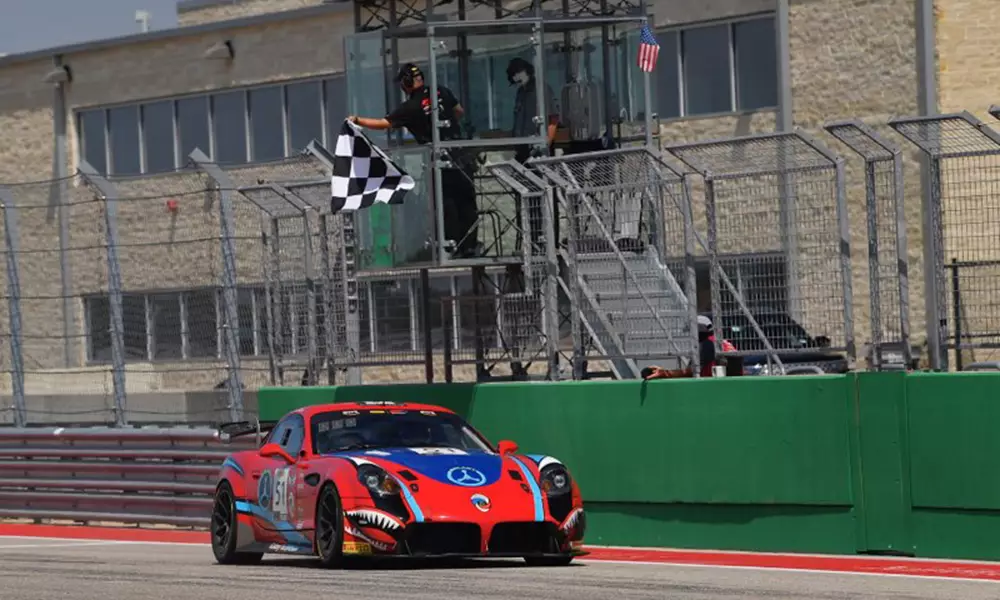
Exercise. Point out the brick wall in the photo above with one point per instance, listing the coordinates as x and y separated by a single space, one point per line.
225 10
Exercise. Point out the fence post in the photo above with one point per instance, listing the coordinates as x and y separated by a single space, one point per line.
12 246
108 193
230 317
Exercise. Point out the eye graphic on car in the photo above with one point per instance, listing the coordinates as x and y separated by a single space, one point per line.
466 476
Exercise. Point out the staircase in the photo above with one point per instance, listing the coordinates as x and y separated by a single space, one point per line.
631 305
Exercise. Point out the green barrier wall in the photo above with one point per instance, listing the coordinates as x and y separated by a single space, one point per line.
860 463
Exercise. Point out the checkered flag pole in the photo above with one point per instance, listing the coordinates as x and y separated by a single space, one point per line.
363 174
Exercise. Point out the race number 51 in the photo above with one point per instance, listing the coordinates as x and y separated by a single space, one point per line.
280 501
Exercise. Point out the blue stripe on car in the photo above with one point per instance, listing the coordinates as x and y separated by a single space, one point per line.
536 492
283 527
232 464
418 514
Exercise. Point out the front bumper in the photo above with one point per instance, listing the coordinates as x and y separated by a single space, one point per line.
466 539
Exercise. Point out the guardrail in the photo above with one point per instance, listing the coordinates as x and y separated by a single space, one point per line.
151 476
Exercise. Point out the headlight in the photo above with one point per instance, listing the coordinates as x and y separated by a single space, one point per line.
555 480
377 480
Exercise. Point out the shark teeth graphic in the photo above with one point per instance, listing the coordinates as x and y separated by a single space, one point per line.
361 536
377 518
571 520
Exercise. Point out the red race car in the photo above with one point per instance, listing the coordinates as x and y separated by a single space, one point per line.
391 479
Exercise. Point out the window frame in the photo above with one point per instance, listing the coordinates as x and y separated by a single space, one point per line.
676 53
329 81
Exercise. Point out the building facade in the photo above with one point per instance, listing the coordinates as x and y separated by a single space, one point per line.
250 82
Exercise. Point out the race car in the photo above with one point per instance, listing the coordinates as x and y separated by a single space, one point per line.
390 479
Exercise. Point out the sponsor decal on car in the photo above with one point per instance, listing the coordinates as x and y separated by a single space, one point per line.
439 451
357 548
368 540
481 502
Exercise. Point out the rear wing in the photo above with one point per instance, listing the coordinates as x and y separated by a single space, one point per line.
236 429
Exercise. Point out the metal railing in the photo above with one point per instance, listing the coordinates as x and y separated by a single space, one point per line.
154 476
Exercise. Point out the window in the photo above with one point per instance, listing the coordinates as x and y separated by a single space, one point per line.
200 323
267 131
667 88
713 69
135 323
706 70
158 136
165 318
305 114
289 433
192 127
756 63
229 127
335 98
92 132
123 138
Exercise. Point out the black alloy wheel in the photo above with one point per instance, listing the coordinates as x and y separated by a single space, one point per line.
329 527
224 527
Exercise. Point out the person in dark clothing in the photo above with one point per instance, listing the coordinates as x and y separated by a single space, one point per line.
707 357
457 188
522 74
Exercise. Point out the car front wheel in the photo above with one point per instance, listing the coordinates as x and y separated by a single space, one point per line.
329 527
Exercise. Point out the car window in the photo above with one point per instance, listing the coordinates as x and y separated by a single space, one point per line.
352 429
289 433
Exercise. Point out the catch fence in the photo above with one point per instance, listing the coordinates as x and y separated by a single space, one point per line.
778 243
963 235
225 278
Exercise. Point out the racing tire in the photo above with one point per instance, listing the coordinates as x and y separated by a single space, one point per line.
548 561
224 527
329 527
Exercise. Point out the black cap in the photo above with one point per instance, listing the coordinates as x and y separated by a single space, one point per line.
409 69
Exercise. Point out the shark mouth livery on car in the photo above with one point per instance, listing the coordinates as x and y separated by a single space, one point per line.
393 480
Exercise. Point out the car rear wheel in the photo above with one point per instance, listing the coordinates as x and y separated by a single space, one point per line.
224 527
329 527
548 561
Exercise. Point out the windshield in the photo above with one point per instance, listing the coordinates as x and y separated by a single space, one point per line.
338 431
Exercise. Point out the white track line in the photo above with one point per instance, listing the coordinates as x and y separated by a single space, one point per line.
59 544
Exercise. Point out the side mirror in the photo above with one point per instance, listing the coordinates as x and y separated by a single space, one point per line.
507 447
276 450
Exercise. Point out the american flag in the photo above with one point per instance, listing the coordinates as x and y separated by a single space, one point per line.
649 49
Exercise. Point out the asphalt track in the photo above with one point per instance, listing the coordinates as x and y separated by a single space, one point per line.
33 568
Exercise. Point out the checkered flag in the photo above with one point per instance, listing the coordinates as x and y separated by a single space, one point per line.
363 174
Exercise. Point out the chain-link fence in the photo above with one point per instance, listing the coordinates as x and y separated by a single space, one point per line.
888 275
778 228
225 278
59 284
964 156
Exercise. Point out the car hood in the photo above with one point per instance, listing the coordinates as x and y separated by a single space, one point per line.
451 466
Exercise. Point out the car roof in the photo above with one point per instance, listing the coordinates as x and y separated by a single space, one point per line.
308 411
